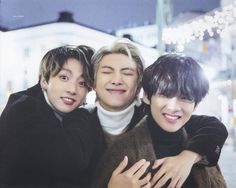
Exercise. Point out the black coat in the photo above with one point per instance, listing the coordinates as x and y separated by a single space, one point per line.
38 150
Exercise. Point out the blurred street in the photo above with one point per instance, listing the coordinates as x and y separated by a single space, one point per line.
227 163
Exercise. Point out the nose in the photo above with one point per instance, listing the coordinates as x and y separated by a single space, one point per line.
116 79
173 104
72 87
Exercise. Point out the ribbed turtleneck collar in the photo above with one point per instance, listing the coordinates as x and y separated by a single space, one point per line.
115 123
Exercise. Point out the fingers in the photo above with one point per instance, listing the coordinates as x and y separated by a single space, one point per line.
121 166
161 172
158 163
177 182
146 180
162 181
148 185
133 169
173 182
180 182
131 177
142 170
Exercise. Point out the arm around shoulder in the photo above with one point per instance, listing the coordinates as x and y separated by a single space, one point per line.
207 136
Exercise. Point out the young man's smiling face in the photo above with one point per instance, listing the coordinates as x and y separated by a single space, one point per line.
116 82
171 113
67 90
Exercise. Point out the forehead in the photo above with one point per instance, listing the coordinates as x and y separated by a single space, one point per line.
118 61
73 66
161 99
72 62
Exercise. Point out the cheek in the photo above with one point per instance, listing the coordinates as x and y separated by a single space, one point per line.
99 81
191 109
188 113
133 85
96 87
154 108
96 83
83 92
82 96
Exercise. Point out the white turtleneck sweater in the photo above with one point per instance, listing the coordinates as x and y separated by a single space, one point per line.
115 123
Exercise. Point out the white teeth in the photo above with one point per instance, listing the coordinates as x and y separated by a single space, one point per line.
171 117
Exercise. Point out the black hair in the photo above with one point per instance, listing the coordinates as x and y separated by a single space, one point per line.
175 75
53 61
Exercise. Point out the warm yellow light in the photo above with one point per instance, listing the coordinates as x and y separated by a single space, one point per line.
217 21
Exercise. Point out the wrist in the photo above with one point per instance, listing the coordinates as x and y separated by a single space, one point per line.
195 157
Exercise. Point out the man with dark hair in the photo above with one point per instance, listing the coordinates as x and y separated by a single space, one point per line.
45 139
173 86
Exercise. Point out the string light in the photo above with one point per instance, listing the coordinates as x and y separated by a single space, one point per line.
211 24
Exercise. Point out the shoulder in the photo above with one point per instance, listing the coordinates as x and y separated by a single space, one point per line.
128 139
92 110
81 118
79 115
89 107
206 124
204 121
25 98
22 108
19 104
203 118
139 130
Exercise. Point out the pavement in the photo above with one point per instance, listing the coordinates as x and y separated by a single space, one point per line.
227 163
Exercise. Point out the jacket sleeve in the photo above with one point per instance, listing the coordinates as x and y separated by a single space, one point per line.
207 136
14 141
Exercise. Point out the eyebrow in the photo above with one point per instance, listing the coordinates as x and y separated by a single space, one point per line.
67 70
107 67
128 68
70 72
123 69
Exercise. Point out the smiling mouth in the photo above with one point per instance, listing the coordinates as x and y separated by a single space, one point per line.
116 91
170 117
68 101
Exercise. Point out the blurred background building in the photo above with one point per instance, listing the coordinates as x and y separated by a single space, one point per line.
205 30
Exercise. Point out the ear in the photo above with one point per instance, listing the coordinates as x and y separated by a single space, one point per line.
145 99
43 83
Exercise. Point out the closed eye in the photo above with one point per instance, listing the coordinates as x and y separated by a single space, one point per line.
128 73
106 72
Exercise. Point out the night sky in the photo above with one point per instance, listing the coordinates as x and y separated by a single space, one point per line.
105 15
